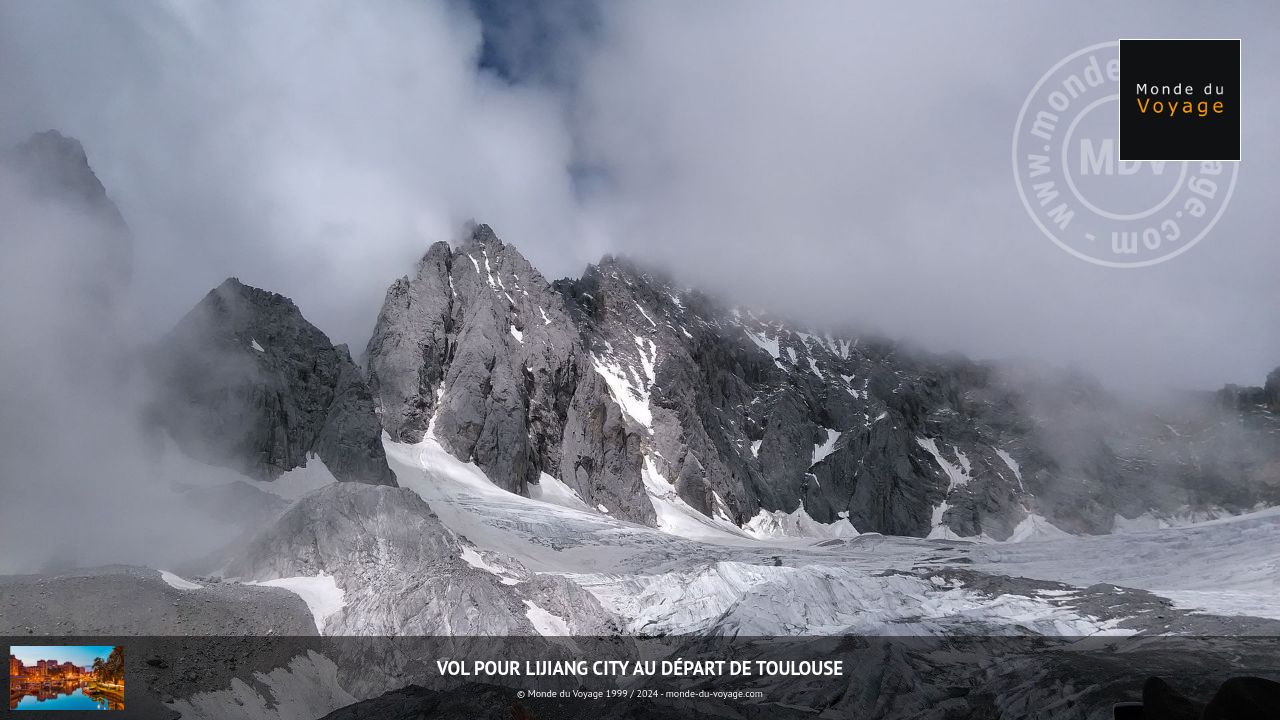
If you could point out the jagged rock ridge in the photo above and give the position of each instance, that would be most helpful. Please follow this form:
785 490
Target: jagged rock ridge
644 397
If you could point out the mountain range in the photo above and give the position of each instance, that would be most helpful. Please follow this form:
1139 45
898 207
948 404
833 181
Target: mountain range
653 402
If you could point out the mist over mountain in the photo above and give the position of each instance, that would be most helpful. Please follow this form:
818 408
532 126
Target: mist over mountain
73 447
649 401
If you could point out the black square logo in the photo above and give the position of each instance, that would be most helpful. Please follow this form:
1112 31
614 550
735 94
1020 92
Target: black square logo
1179 99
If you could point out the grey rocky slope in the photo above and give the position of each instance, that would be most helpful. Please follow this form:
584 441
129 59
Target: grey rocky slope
402 572
629 388
244 381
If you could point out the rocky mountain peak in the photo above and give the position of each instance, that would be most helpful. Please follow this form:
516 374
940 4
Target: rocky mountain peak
479 352
245 381
480 235
53 168
54 163
238 305
56 166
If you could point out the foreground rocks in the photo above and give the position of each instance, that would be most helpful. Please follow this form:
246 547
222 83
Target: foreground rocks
128 601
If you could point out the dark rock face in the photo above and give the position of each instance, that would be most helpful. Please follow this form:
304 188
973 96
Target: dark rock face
631 390
1254 399
604 452
244 381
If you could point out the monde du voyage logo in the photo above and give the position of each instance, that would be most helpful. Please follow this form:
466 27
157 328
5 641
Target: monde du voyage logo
1128 165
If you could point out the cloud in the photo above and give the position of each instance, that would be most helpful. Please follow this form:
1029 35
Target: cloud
78 485
850 162
315 149
836 162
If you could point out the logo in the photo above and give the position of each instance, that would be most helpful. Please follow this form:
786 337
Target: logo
1107 211
1180 99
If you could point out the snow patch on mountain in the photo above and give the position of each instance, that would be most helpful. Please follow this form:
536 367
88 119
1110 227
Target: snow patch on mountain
677 517
547 624
769 345
648 359
493 519
646 315
1013 465
631 396
488 269
957 475
477 561
321 594
827 447
176 582
551 490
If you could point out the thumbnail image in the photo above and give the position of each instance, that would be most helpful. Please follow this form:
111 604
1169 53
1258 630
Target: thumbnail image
66 677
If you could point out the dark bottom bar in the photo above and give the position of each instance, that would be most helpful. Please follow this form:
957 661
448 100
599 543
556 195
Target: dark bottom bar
594 678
